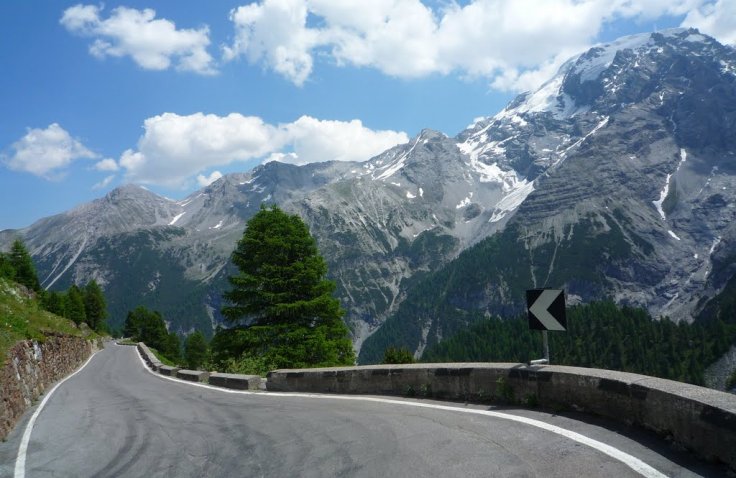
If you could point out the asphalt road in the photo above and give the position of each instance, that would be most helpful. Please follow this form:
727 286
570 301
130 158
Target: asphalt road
115 418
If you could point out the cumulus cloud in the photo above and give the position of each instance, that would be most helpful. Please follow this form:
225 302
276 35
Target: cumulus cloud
515 44
203 180
175 148
107 164
717 19
154 44
314 140
46 152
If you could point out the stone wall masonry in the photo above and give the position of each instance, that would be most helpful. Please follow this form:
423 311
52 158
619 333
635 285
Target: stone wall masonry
701 419
31 367
168 370
235 381
149 357
193 375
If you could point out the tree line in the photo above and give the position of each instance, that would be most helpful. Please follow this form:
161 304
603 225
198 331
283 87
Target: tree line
599 335
84 304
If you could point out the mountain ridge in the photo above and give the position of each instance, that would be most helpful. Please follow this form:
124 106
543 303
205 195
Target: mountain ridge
639 107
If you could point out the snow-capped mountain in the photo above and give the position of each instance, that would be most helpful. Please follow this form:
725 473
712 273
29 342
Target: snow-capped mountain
630 154
615 178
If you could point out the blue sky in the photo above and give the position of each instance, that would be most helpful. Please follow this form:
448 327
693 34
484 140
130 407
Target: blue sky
172 95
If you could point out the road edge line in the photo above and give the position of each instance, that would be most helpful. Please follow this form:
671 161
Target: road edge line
20 460
636 464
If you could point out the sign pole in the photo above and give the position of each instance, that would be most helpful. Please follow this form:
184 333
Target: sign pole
546 346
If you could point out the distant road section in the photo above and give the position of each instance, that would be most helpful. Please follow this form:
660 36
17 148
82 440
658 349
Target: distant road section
115 418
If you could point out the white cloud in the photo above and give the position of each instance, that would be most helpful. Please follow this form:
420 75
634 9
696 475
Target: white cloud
207 180
515 44
107 164
314 140
104 183
717 19
46 152
175 149
152 43
275 34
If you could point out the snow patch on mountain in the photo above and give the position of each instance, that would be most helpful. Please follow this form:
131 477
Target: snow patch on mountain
666 190
591 64
548 98
69 264
662 196
512 200
176 218
392 168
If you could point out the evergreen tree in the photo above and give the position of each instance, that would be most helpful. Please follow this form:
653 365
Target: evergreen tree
74 305
95 307
6 267
25 271
195 350
143 325
54 302
171 347
283 297
398 355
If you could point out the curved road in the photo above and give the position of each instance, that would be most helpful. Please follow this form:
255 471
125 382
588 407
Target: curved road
116 418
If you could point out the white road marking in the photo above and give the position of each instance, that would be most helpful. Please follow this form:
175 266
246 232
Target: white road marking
631 461
20 461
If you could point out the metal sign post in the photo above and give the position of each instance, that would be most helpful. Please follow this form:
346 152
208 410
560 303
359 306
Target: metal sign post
546 308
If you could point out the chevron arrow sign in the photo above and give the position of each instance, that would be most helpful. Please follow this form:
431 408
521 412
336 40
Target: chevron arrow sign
546 309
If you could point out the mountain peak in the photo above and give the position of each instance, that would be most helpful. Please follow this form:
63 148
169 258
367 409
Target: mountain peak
130 191
603 70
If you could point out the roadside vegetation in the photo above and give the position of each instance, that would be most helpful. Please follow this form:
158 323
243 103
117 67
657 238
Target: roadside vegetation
600 335
23 318
395 355
27 312
143 325
280 307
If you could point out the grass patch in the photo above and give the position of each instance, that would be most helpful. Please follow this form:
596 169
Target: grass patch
22 318
163 358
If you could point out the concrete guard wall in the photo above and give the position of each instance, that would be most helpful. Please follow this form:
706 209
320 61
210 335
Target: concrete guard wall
701 419
225 380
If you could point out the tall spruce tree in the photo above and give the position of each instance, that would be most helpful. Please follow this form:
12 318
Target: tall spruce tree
195 350
282 295
25 271
74 305
95 307
143 325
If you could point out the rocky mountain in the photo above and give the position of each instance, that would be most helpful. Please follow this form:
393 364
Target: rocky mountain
379 224
615 178
631 154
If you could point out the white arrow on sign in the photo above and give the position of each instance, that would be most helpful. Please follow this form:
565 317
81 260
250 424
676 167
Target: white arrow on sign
540 306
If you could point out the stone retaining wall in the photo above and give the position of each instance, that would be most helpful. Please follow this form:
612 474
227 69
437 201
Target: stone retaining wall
701 419
31 367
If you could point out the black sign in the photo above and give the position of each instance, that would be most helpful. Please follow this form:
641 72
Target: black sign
546 309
